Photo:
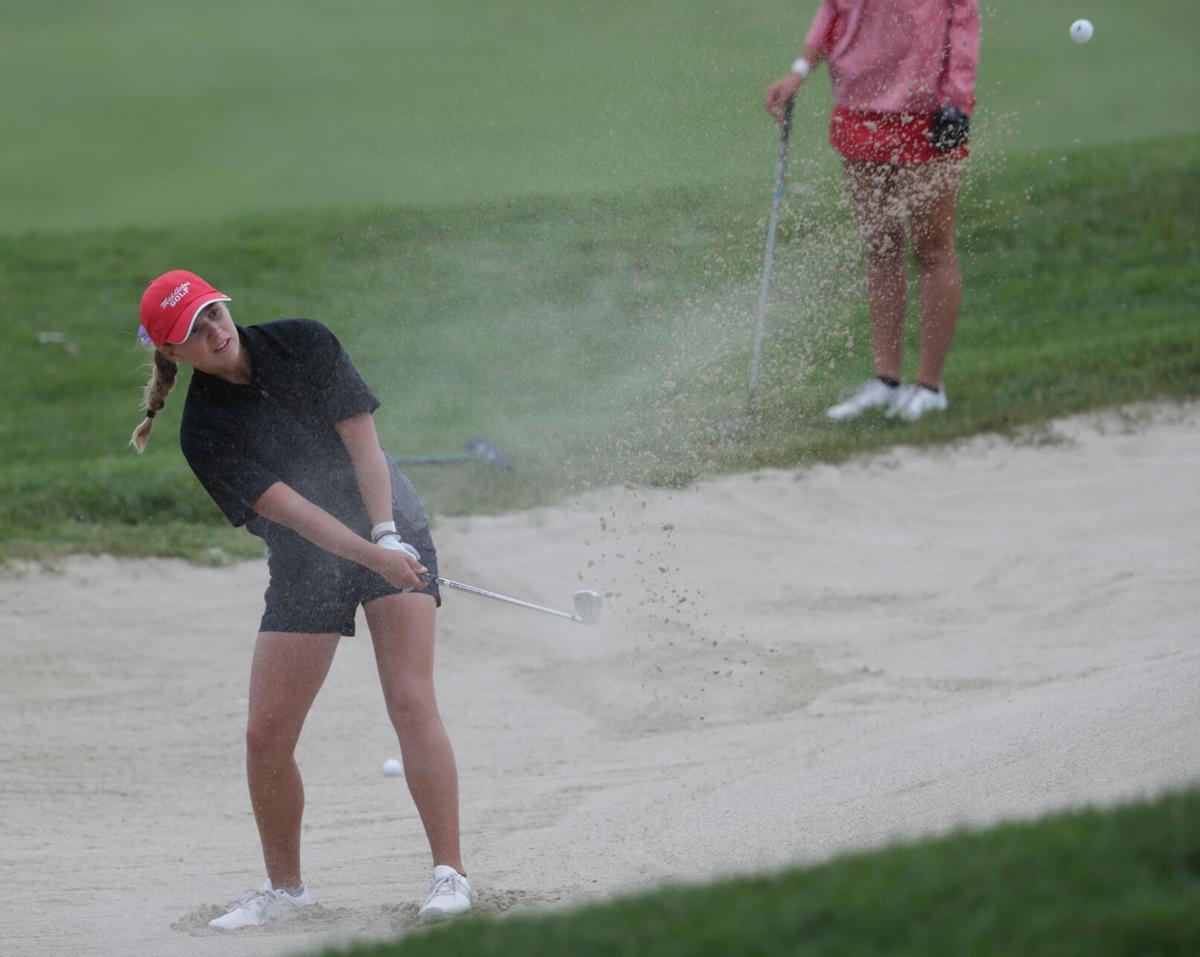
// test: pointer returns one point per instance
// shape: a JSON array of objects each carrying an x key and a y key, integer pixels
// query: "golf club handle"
[
  {"x": 786, "y": 133},
  {"x": 785, "y": 136}
]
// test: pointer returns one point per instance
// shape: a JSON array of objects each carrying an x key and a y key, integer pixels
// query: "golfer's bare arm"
[
  {"x": 370, "y": 467},
  {"x": 284, "y": 505},
  {"x": 788, "y": 85}
]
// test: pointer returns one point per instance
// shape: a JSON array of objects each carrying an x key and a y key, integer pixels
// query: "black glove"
[{"x": 949, "y": 128}]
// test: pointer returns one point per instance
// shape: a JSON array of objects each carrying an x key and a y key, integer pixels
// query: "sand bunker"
[{"x": 791, "y": 664}]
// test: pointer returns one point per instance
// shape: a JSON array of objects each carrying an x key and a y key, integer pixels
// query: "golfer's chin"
[{"x": 221, "y": 360}]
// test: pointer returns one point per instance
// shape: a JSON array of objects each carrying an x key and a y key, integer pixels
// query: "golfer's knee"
[
  {"x": 934, "y": 252},
  {"x": 883, "y": 246},
  {"x": 269, "y": 740},
  {"x": 411, "y": 702}
]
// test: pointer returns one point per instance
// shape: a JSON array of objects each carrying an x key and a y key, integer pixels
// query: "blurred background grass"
[
  {"x": 158, "y": 113},
  {"x": 543, "y": 223}
]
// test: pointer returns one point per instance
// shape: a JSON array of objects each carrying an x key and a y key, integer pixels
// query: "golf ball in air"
[
  {"x": 1081, "y": 31},
  {"x": 392, "y": 767}
]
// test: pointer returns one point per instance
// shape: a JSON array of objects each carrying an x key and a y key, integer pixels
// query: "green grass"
[
  {"x": 1091, "y": 883},
  {"x": 542, "y": 223},
  {"x": 600, "y": 339},
  {"x": 149, "y": 112}
]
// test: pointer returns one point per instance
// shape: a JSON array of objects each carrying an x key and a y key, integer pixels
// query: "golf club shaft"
[
  {"x": 478, "y": 450},
  {"x": 776, "y": 198},
  {"x": 435, "y": 459},
  {"x": 450, "y": 583}
]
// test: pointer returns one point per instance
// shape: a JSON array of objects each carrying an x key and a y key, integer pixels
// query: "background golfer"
[
  {"x": 278, "y": 428},
  {"x": 903, "y": 74}
]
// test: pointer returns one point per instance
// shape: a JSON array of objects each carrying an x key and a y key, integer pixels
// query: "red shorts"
[{"x": 895, "y": 138}]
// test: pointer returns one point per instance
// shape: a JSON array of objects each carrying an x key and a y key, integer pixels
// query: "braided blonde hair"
[{"x": 154, "y": 397}]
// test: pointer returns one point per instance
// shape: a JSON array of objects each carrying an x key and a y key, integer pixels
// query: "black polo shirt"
[{"x": 241, "y": 439}]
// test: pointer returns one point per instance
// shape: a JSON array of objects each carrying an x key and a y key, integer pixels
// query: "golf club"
[
  {"x": 587, "y": 603},
  {"x": 760, "y": 332},
  {"x": 477, "y": 450}
]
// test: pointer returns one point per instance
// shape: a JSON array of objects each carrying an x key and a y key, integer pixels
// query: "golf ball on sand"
[
  {"x": 1081, "y": 31},
  {"x": 392, "y": 767}
]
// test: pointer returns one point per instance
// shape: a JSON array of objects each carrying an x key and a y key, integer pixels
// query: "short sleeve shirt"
[{"x": 241, "y": 439}]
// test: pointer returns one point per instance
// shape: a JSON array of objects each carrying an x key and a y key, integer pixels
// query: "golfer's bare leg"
[
  {"x": 402, "y": 628},
  {"x": 877, "y": 205},
  {"x": 285, "y": 676},
  {"x": 931, "y": 194}
]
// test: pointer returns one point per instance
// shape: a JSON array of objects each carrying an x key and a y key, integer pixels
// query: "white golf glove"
[{"x": 385, "y": 536}]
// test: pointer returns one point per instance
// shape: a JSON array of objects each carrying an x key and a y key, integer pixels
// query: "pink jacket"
[{"x": 899, "y": 56}]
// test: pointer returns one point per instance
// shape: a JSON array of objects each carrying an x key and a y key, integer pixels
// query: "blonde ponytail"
[{"x": 154, "y": 397}]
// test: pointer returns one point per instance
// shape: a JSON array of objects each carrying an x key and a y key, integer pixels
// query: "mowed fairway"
[{"x": 544, "y": 224}]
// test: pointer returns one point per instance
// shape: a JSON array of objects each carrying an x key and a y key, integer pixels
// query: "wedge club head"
[{"x": 588, "y": 605}]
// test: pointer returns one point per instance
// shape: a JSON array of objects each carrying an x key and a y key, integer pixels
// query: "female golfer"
[
  {"x": 903, "y": 75},
  {"x": 277, "y": 427}
]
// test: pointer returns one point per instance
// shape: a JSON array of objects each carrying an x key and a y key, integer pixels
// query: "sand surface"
[{"x": 791, "y": 664}]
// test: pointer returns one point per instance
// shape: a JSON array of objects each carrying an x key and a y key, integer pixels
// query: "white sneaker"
[
  {"x": 449, "y": 896},
  {"x": 872, "y": 394},
  {"x": 918, "y": 401},
  {"x": 267, "y": 905}
]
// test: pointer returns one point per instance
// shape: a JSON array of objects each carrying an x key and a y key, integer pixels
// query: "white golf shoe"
[
  {"x": 917, "y": 401},
  {"x": 449, "y": 896},
  {"x": 268, "y": 905},
  {"x": 872, "y": 394}
]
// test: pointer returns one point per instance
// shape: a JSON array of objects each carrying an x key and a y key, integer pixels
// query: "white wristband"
[
  {"x": 802, "y": 66},
  {"x": 383, "y": 528}
]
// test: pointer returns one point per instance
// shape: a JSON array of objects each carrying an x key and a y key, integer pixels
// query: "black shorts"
[{"x": 314, "y": 592}]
